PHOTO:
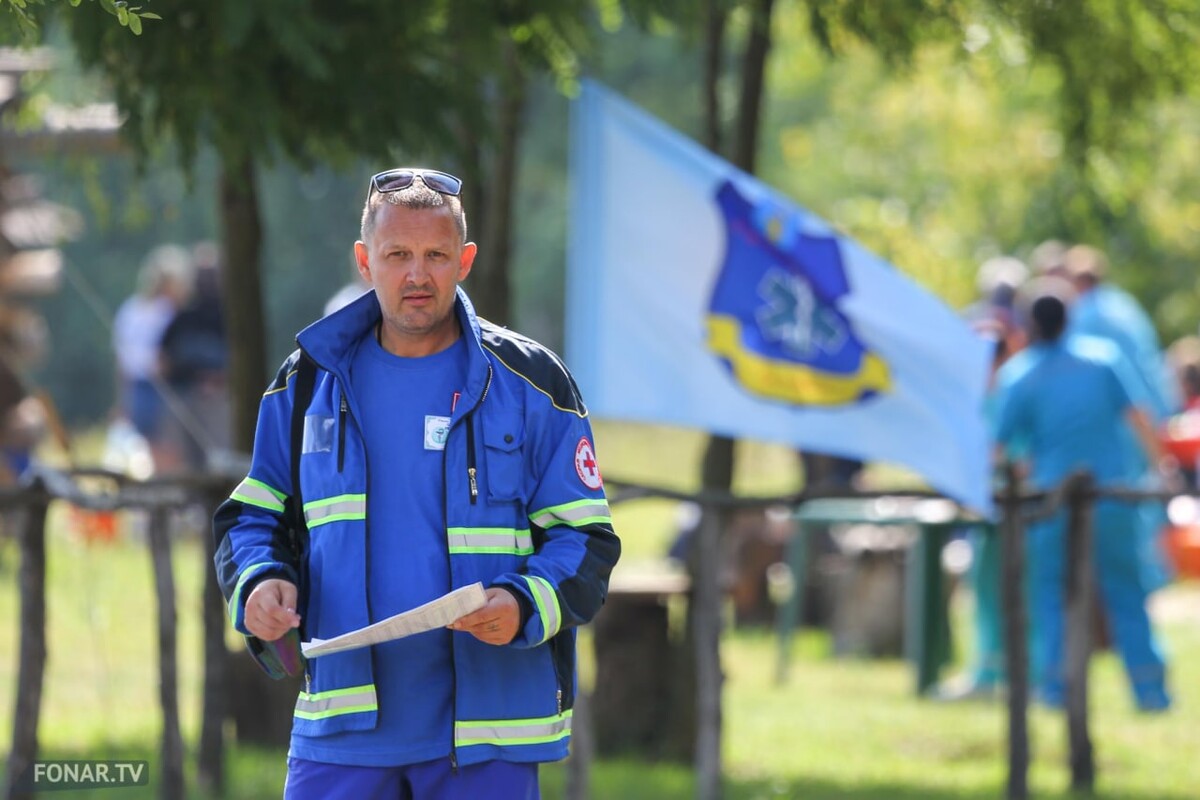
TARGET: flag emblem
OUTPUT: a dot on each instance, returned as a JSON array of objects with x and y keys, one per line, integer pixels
[{"x": 773, "y": 317}]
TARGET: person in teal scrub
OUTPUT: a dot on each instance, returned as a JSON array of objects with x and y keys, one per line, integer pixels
[
  {"x": 1108, "y": 312},
  {"x": 1067, "y": 398}
]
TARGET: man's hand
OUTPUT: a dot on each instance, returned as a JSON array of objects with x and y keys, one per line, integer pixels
[
  {"x": 495, "y": 623},
  {"x": 271, "y": 609}
]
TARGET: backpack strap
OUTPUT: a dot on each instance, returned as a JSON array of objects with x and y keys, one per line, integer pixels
[
  {"x": 282, "y": 657},
  {"x": 306, "y": 376}
]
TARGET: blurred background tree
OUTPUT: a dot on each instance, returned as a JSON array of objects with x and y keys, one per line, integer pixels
[
  {"x": 990, "y": 127},
  {"x": 314, "y": 84}
]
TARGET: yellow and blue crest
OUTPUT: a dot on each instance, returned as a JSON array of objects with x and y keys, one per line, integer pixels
[{"x": 774, "y": 319}]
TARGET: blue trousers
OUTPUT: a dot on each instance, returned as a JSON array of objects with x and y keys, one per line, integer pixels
[
  {"x": 1120, "y": 577},
  {"x": 429, "y": 780}
]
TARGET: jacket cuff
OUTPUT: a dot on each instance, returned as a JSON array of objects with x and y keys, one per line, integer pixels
[
  {"x": 522, "y": 601},
  {"x": 250, "y": 577}
]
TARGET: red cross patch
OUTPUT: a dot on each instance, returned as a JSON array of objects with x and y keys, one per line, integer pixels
[{"x": 585, "y": 464}]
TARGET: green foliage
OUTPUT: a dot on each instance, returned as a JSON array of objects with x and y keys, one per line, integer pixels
[
  {"x": 28, "y": 29},
  {"x": 1111, "y": 55},
  {"x": 311, "y": 221},
  {"x": 964, "y": 157},
  {"x": 894, "y": 29},
  {"x": 319, "y": 82}
]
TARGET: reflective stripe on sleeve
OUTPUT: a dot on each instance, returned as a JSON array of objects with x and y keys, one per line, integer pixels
[
  {"x": 256, "y": 493},
  {"x": 336, "y": 702},
  {"x": 580, "y": 512},
  {"x": 236, "y": 601},
  {"x": 513, "y": 731},
  {"x": 490, "y": 540},
  {"x": 547, "y": 605},
  {"x": 332, "y": 509}
]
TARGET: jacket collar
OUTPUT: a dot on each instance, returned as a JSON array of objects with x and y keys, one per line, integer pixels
[{"x": 333, "y": 340}]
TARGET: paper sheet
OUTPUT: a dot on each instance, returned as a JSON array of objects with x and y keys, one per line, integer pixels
[{"x": 434, "y": 614}]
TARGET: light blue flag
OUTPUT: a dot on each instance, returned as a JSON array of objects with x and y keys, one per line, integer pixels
[{"x": 700, "y": 297}]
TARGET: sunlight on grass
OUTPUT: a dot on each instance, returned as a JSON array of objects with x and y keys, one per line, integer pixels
[{"x": 838, "y": 729}]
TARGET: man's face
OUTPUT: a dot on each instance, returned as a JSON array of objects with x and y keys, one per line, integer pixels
[{"x": 415, "y": 259}]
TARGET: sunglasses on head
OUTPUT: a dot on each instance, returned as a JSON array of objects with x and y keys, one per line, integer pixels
[{"x": 395, "y": 180}]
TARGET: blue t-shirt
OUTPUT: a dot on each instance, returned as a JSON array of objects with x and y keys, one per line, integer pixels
[
  {"x": 1066, "y": 402},
  {"x": 1107, "y": 312},
  {"x": 405, "y": 405}
]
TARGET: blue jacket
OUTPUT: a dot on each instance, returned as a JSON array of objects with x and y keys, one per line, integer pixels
[{"x": 525, "y": 509}]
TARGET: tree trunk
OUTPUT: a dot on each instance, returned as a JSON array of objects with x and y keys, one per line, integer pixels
[
  {"x": 754, "y": 68},
  {"x": 1012, "y": 590},
  {"x": 241, "y": 226},
  {"x": 210, "y": 766},
  {"x": 1080, "y": 591},
  {"x": 31, "y": 667},
  {"x": 170, "y": 786},
  {"x": 704, "y": 622},
  {"x": 706, "y": 597},
  {"x": 715, "y": 15},
  {"x": 492, "y": 288}
]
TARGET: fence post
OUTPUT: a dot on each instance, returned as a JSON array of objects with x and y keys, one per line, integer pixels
[
  {"x": 210, "y": 764},
  {"x": 171, "y": 787},
  {"x": 1012, "y": 591},
  {"x": 706, "y": 594},
  {"x": 582, "y": 748},
  {"x": 1080, "y": 494},
  {"x": 32, "y": 659}
]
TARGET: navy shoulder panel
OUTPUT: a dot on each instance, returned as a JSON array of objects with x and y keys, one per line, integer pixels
[
  {"x": 537, "y": 364},
  {"x": 285, "y": 373}
]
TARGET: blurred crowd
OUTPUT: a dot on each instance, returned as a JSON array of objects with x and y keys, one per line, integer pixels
[
  {"x": 172, "y": 407},
  {"x": 1081, "y": 382}
]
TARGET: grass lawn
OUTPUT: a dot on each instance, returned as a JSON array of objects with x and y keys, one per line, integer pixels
[{"x": 838, "y": 730}]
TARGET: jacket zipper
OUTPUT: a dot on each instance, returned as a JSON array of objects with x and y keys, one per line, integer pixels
[
  {"x": 342, "y": 433},
  {"x": 471, "y": 471},
  {"x": 471, "y": 459},
  {"x": 450, "y": 561}
]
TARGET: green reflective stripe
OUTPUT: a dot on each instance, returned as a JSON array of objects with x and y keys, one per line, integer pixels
[
  {"x": 547, "y": 605},
  {"x": 490, "y": 540},
  {"x": 257, "y": 493},
  {"x": 336, "y": 702},
  {"x": 235, "y": 599},
  {"x": 580, "y": 512},
  {"x": 332, "y": 509},
  {"x": 513, "y": 731}
]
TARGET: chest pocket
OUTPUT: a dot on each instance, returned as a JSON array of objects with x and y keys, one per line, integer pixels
[{"x": 503, "y": 440}]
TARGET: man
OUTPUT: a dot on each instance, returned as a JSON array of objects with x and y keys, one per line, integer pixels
[
  {"x": 438, "y": 450},
  {"x": 1107, "y": 312},
  {"x": 1065, "y": 400}
]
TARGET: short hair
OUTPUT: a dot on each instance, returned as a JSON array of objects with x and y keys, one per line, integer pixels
[
  {"x": 1047, "y": 257},
  {"x": 162, "y": 266},
  {"x": 415, "y": 196},
  {"x": 1085, "y": 262},
  {"x": 999, "y": 275},
  {"x": 1048, "y": 318},
  {"x": 1042, "y": 307}
]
